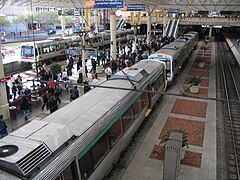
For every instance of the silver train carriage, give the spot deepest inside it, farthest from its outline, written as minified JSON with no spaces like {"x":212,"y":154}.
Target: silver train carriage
{"x":57,"y":48}
{"x":84,"y":139}
{"x":175,"y":54}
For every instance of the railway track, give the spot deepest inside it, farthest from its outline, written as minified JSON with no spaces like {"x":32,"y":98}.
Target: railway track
{"x":231,"y":110}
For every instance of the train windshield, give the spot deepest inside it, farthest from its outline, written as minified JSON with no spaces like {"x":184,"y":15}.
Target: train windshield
{"x":165,"y":60}
{"x":27,"y":51}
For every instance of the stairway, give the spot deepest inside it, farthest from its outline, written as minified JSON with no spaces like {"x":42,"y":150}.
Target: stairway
{"x":172,"y":28}
{"x":120,"y":23}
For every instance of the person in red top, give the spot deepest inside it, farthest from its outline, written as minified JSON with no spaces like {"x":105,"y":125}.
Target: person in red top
{"x":51,"y":85}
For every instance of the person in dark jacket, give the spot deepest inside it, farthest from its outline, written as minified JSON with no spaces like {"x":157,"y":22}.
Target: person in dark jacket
{"x":86,"y":87}
{"x":53,"y":105}
{"x":3,"y":128}
{"x":74,"y":93}
{"x":25,"y":107}
{"x":44,"y":99}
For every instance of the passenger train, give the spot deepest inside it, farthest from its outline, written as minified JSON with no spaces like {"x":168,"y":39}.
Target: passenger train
{"x":84,"y":139}
{"x":175,"y":54}
{"x":56,"y":48}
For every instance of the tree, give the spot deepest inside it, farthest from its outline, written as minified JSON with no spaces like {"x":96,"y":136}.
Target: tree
{"x":47,"y":19}
{"x":55,"y":68}
{"x":69,"y":21}
{"x":4,"y":22}
{"x":25,"y":19}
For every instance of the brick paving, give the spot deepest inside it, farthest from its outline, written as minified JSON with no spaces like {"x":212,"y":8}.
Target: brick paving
{"x":190,"y":108}
{"x":195,"y":129}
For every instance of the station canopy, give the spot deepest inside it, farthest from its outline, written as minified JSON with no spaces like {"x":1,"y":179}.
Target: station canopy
{"x":190,"y":5}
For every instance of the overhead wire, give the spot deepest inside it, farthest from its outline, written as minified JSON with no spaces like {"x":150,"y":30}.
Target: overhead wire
{"x":147,"y":91}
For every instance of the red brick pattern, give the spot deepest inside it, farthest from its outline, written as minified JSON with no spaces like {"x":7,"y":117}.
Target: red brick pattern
{"x":195,"y":129}
{"x":202,"y":73}
{"x":190,"y":108}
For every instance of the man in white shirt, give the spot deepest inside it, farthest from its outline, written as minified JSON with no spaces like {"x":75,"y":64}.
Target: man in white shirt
{"x":108,"y":72}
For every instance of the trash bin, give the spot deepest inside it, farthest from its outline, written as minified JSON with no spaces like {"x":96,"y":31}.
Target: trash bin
{"x":13,"y":112}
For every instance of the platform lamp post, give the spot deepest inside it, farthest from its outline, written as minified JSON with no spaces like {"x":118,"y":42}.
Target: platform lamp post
{"x":136,"y":28}
{"x":82,"y":34}
{"x":154,"y":30}
{"x":36,"y":60}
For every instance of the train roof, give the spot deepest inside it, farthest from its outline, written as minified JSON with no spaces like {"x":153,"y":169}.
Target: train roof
{"x":173,"y":48}
{"x":38,"y":140}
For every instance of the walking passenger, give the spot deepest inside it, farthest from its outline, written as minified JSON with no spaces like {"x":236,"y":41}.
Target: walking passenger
{"x":14,"y":90}
{"x":108,"y":72}
{"x":44,"y":99}
{"x":58,"y":91}
{"x":53,"y":105}
{"x":25,"y":107}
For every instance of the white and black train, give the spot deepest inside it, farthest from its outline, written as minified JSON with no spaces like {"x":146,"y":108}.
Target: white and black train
{"x":175,"y":54}
{"x":56,"y":48}
{"x":84,"y":139}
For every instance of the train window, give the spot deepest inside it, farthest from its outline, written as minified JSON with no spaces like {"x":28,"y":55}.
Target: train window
{"x":137,"y":107}
{"x":99,"y":150}
{"x":70,"y":173}
{"x":39,"y":50}
{"x":57,"y":47}
{"x":45,"y":50}
{"x":52,"y":48}
{"x":127,"y":118}
{"x":86,"y":165}
{"x":36,"y":52}
{"x":27,"y":51}
{"x":159,"y":83}
{"x":115,"y":132}
{"x":144,"y":99}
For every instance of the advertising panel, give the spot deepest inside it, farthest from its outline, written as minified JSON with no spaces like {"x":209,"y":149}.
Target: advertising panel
{"x":102,"y":4}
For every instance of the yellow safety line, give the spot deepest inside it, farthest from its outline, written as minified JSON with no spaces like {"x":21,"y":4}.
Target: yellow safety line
{"x":148,"y":112}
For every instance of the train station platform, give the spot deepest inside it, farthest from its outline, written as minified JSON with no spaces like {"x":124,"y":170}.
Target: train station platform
{"x":195,"y":116}
{"x":36,"y":111}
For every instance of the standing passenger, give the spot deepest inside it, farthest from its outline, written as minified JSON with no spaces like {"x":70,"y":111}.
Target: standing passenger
{"x":74,"y":93}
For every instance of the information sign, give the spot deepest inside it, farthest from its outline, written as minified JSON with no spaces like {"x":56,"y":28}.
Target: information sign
{"x":134,"y":7}
{"x":173,"y":11}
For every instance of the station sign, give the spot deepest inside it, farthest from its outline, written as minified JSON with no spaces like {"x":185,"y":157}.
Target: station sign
{"x":134,"y":7}
{"x":104,"y":4}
